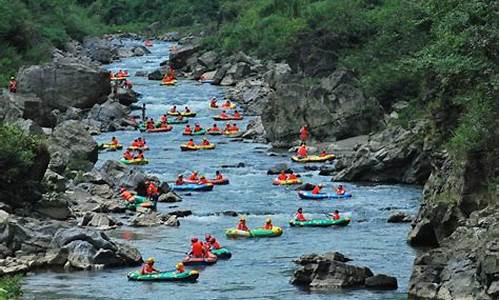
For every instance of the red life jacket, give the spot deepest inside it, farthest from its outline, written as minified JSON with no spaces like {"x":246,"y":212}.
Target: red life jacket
{"x":300,"y":217}
{"x":197,"y":249}
{"x":316,"y":190}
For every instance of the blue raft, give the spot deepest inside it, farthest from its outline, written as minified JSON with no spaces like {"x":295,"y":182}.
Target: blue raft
{"x":310,"y":196}
{"x":194,"y":187}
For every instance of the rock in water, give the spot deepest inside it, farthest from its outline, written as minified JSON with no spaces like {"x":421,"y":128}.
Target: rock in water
{"x":330,"y":271}
{"x":399,"y":217}
{"x":276,"y":169}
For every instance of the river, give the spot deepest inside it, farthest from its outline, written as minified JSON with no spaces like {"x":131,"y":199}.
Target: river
{"x":260,"y":268}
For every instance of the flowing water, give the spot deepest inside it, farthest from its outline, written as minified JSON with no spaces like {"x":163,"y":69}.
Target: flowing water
{"x":260,"y":268}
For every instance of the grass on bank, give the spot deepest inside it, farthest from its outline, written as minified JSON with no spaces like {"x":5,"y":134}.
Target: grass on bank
{"x":10,"y":287}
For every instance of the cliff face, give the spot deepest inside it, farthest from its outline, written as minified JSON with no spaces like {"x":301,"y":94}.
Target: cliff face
{"x":458,"y":219}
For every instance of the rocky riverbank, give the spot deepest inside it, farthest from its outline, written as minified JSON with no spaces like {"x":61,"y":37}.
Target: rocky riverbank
{"x":59,"y":219}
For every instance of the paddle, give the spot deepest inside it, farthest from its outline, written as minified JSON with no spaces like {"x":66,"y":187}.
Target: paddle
{"x":171,"y":250}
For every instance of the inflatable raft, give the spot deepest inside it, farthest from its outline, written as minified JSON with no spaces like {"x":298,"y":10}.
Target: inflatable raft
{"x":310,"y":196}
{"x":188,"y":276}
{"x":199,"y":132}
{"x":228,"y":118}
{"x":169,"y":82}
{"x":133,"y":148}
{"x":110,"y":147}
{"x":313,"y":158}
{"x":214,"y":132}
{"x":321,"y":222}
{"x":185,"y":147}
{"x":287,"y":182}
{"x":134,"y":161}
{"x":160,"y":129}
{"x":254,"y":233}
{"x":222,"y":253}
{"x":190,"y":261}
{"x":183,"y":113}
{"x":194,"y":187}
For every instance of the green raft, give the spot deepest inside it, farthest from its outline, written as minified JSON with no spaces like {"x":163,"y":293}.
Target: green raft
{"x":134,"y":161}
{"x":222,"y":253}
{"x":321,"y":222}
{"x":189,"y":276}
{"x":254,"y":233}
{"x":140,"y":201}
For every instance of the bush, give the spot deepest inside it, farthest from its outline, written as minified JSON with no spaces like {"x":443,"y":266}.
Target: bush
{"x":10,"y":287}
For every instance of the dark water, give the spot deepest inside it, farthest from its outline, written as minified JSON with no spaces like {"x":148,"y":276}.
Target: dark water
{"x":260,"y":268}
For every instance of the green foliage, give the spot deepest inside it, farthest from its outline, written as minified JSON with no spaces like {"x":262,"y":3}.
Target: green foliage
{"x":10,"y":287}
{"x":18,"y":153}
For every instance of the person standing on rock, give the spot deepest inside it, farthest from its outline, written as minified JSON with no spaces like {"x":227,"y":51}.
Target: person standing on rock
{"x":12,"y":84}
{"x":304,"y":133}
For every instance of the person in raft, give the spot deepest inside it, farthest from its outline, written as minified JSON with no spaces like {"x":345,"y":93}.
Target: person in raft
{"x":127,"y":155}
{"x":268,"y":225}
{"x":126,"y":195}
{"x":163,"y":118}
{"x":228,"y":127}
{"x":317,"y":189}
{"x":114,"y":141}
{"x":214,"y":244}
{"x":152,"y":191}
{"x":194,"y":176}
{"x":299,"y":216}
{"x":213,"y":102}
{"x":197,"y":127}
{"x":203,"y":180}
{"x":205,"y":142}
{"x":148,"y":267}
{"x":187,"y":129}
{"x":173,"y":109}
{"x":302,"y":151}
{"x":292,"y":176}
{"x":235,"y":128}
{"x":242,"y":225}
{"x":150,"y":124}
{"x":179,"y":268}
{"x":139,"y":155}
{"x":215,"y":128}
{"x":197,"y":249}
{"x":179,"y":180}
{"x":323,"y":153}
{"x":282,"y":176}
{"x":186,"y":109}
{"x":340,"y":190}
{"x":179,"y":117}
{"x":335,"y":215}
{"x":218,"y":175}
{"x":141,"y":142}
{"x":223,"y":114}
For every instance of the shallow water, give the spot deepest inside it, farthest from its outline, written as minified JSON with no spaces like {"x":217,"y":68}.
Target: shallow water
{"x":260,"y":268}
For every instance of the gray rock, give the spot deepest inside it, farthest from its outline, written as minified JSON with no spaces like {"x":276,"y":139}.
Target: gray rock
{"x":150,"y":218}
{"x":109,"y":113}
{"x":141,"y":73}
{"x":276,"y":169}
{"x":381,"y":282}
{"x":305,"y":187}
{"x":399,"y":217}
{"x":179,"y":58}
{"x":29,"y":127}
{"x":54,"y":206}
{"x":209,"y":59}
{"x":156,"y":75}
{"x":65,"y":82}
{"x":169,"y":197}
{"x":99,"y":220}
{"x":98,"y":49}
{"x":117,"y":174}
{"x":75,"y":148}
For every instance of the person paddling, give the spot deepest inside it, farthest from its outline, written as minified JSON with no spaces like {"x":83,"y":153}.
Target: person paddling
{"x":223,"y":114}
{"x":299,"y":216}
{"x":214,"y":244}
{"x":173,"y":109}
{"x":336,"y":215}
{"x":236,"y":115}
{"x":205,"y":142}
{"x":197,"y":127}
{"x":187,"y":130}
{"x":148,"y":267}
{"x":194,"y":176}
{"x":190,"y":143}
{"x":163,"y":118}
{"x":114,"y":141}
{"x":128,"y":155}
{"x":179,"y":268}
{"x":282,"y":176}
{"x":218,"y":175}
{"x":203,"y":180}
{"x":213,"y":102}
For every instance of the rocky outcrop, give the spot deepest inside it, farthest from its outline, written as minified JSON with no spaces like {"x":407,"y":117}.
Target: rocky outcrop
{"x":458,"y":219}
{"x":178,"y":59}
{"x":72,"y":147}
{"x":65,"y":82}
{"x":29,"y":244}
{"x":117,"y":174}
{"x":399,"y":217}
{"x":110,"y":116}
{"x":334,"y":109}
{"x":154,"y":219}
{"x":392,"y":155}
{"x":330,"y":271}
{"x":255,"y":131}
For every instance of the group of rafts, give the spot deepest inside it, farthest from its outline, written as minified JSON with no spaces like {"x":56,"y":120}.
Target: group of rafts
{"x":211,"y":250}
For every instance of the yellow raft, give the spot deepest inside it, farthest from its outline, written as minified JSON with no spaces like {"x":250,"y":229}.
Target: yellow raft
{"x":185,"y":147}
{"x":313,"y":158}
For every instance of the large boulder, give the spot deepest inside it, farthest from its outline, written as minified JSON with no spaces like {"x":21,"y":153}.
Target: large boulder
{"x":65,"y":82}
{"x":10,"y":109}
{"x":330,"y":271}
{"x":392,"y":155}
{"x":252,"y":94}
{"x":72,"y":147}
{"x":117,"y":174}
{"x":55,"y":206}
{"x":209,"y":59}
{"x":334,"y":109}
{"x":98,"y":49}
{"x":111,"y":115}
{"x":236,"y":72}
{"x":178,"y":59}
{"x":151,"y":218}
